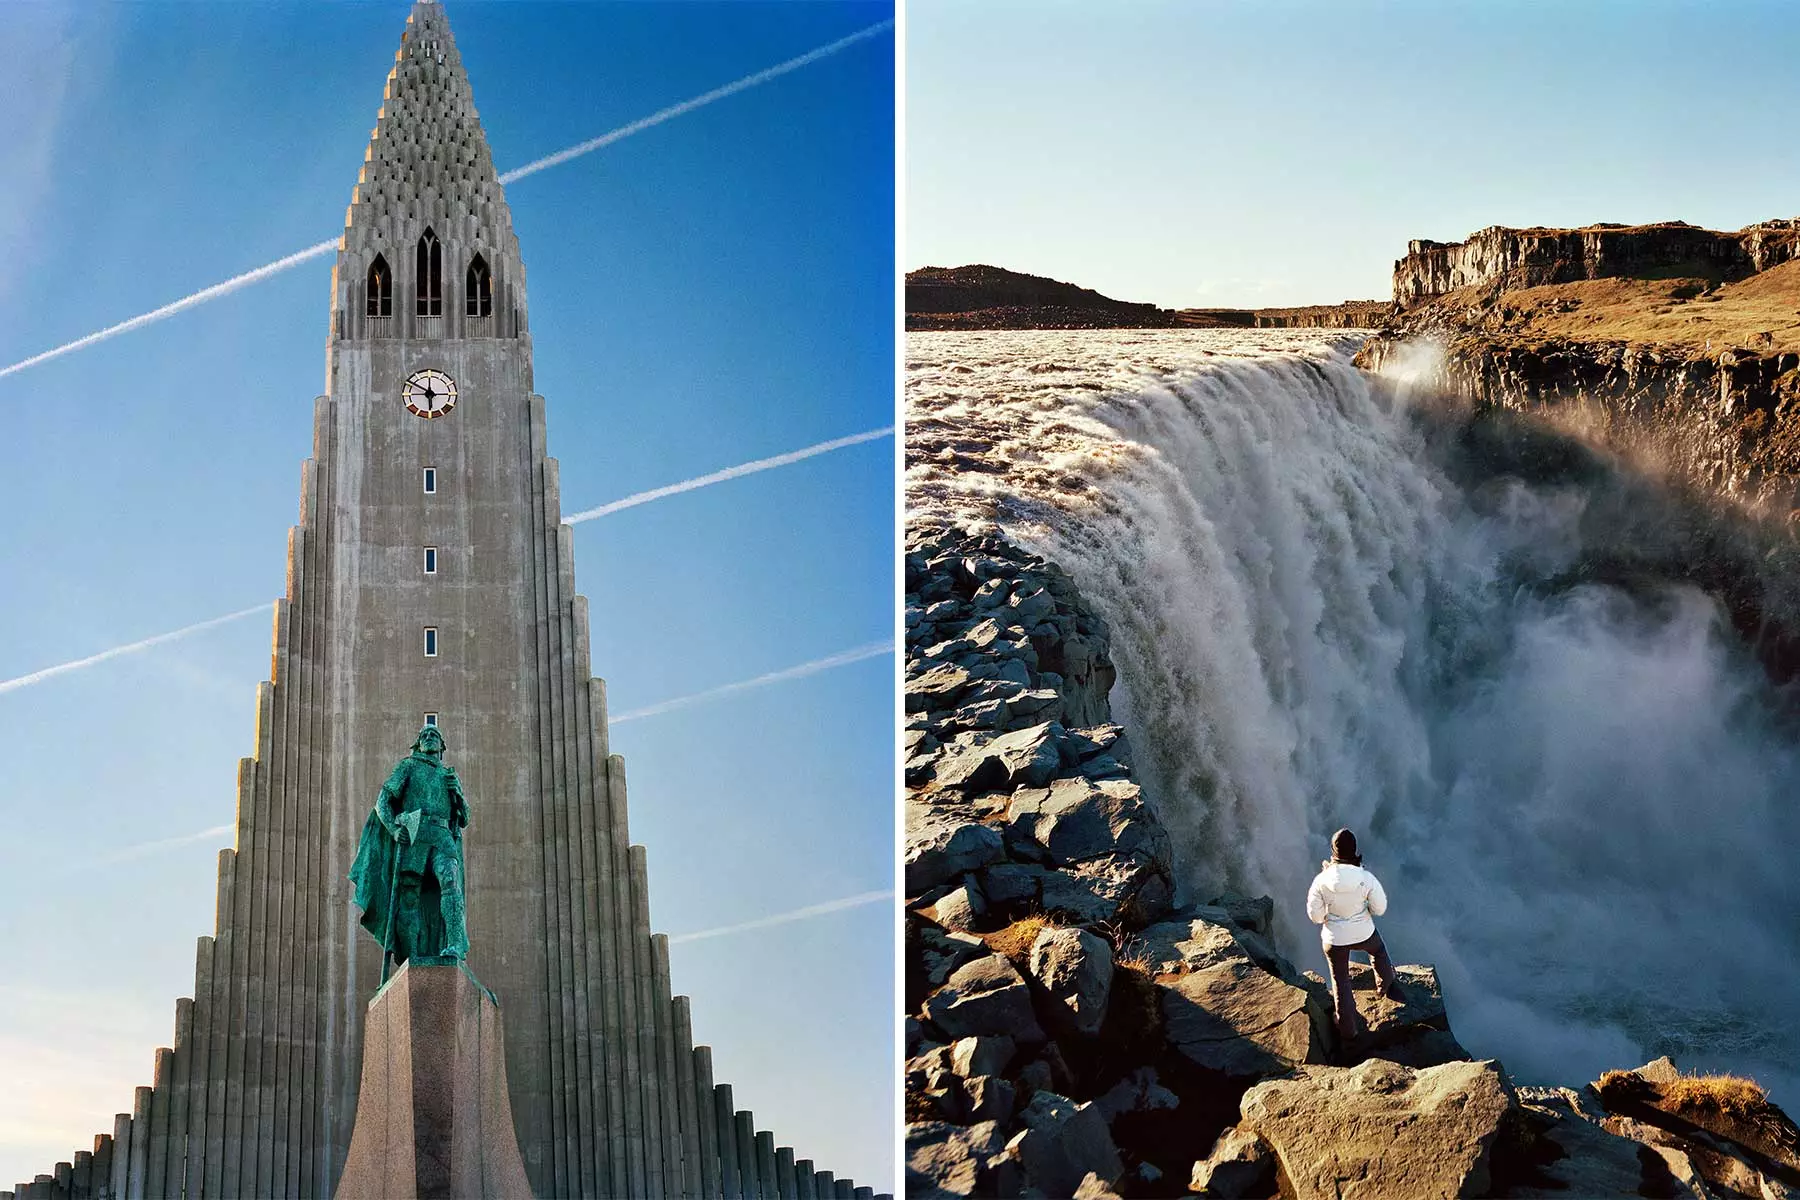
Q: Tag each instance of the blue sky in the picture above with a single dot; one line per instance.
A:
(713, 290)
(1197, 153)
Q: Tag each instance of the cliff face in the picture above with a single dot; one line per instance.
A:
(1519, 258)
(984, 297)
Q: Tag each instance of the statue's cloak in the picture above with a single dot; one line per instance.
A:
(373, 875)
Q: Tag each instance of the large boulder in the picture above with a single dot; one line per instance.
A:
(1239, 1020)
(1240, 1165)
(943, 844)
(1569, 1152)
(986, 997)
(1078, 818)
(945, 1160)
(1114, 887)
(1380, 1129)
(1075, 968)
(1413, 1030)
(1062, 1143)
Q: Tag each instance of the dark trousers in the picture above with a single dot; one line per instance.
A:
(1344, 1001)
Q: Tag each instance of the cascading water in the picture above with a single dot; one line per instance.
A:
(1577, 784)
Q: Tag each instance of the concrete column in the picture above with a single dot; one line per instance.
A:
(156, 1160)
(285, 792)
(553, 656)
(806, 1184)
(647, 1008)
(863, 1193)
(569, 728)
(765, 1165)
(553, 1172)
(225, 998)
(745, 1129)
(785, 1183)
(824, 1186)
(594, 1048)
(244, 911)
(180, 1098)
(845, 1190)
(731, 1186)
(308, 1011)
(630, 1018)
(198, 1056)
(667, 1068)
(81, 1180)
(262, 886)
(65, 1178)
(140, 1145)
(710, 1186)
(683, 1083)
(102, 1172)
(616, 1175)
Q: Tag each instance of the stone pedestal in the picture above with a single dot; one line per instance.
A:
(432, 1116)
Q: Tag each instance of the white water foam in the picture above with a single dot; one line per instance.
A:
(1578, 796)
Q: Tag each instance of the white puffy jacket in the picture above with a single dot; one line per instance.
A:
(1345, 900)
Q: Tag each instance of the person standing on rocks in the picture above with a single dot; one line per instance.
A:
(1344, 900)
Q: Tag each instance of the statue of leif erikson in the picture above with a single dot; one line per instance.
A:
(409, 864)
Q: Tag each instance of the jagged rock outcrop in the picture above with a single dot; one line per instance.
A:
(1521, 258)
(1071, 1029)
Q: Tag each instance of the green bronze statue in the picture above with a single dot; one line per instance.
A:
(409, 864)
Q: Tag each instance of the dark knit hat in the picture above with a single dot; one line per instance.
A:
(1343, 848)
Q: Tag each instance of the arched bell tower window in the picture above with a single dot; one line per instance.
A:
(478, 288)
(381, 288)
(430, 276)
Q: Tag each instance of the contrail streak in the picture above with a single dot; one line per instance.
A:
(749, 468)
(143, 849)
(175, 306)
(530, 168)
(798, 914)
(842, 659)
(13, 685)
(688, 106)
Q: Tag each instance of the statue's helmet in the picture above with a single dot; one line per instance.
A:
(430, 739)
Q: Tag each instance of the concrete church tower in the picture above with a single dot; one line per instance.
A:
(430, 577)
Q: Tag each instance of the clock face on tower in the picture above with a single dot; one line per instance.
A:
(429, 394)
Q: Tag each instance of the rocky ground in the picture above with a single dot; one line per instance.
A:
(1079, 1025)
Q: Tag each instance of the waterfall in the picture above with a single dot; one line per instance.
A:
(1576, 783)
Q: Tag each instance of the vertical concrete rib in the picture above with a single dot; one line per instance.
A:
(784, 1173)
(180, 1098)
(745, 1133)
(119, 1173)
(731, 1185)
(846, 1190)
(631, 1021)
(825, 1186)
(257, 1024)
(290, 697)
(276, 939)
(102, 1172)
(81, 1179)
(199, 1055)
(315, 513)
(576, 1059)
(291, 1001)
(225, 1001)
(156, 1159)
(668, 1064)
(139, 1161)
(591, 1056)
(543, 619)
(765, 1164)
(806, 1182)
(648, 1052)
(706, 1121)
(246, 1013)
(615, 1179)
(683, 1084)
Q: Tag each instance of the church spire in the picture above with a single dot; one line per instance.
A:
(428, 249)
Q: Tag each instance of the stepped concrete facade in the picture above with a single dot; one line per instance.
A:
(430, 578)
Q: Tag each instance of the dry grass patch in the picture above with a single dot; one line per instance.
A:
(1733, 1095)
(1015, 940)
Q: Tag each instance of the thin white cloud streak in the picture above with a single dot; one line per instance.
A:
(742, 469)
(798, 914)
(688, 106)
(145, 849)
(176, 306)
(24, 681)
(841, 659)
(530, 168)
